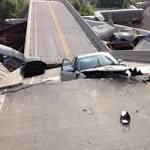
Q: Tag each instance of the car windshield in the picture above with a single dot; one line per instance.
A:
(104, 60)
(94, 62)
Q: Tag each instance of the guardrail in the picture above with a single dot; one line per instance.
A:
(85, 27)
(142, 56)
(28, 36)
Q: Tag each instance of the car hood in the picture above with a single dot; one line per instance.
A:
(108, 68)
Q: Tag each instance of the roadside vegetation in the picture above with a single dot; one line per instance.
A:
(87, 7)
(135, 1)
(13, 8)
(82, 7)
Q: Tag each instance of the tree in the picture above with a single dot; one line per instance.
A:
(93, 2)
(76, 4)
(126, 3)
(82, 7)
(85, 10)
(11, 8)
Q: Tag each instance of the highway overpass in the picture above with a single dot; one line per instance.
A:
(56, 31)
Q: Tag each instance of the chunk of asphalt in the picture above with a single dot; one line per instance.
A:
(84, 109)
(125, 118)
(90, 111)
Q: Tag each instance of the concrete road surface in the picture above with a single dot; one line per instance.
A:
(3, 71)
(55, 34)
(76, 115)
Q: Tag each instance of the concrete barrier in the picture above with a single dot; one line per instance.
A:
(140, 56)
(121, 15)
(85, 27)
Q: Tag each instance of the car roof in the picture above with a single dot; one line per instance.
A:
(99, 53)
(94, 54)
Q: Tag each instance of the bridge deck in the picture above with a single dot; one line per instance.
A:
(53, 116)
(54, 33)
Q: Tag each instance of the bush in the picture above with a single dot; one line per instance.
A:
(12, 8)
(82, 7)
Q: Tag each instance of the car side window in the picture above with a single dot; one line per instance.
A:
(104, 60)
(66, 65)
(88, 63)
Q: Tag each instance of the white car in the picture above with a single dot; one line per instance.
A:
(96, 65)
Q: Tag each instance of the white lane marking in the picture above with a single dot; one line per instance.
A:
(2, 99)
(35, 30)
(32, 80)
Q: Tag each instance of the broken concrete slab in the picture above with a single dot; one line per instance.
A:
(11, 80)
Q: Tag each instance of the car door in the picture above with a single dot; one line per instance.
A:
(67, 71)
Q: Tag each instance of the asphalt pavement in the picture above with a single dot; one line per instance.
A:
(76, 115)
(55, 34)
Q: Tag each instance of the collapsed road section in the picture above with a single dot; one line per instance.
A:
(79, 114)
